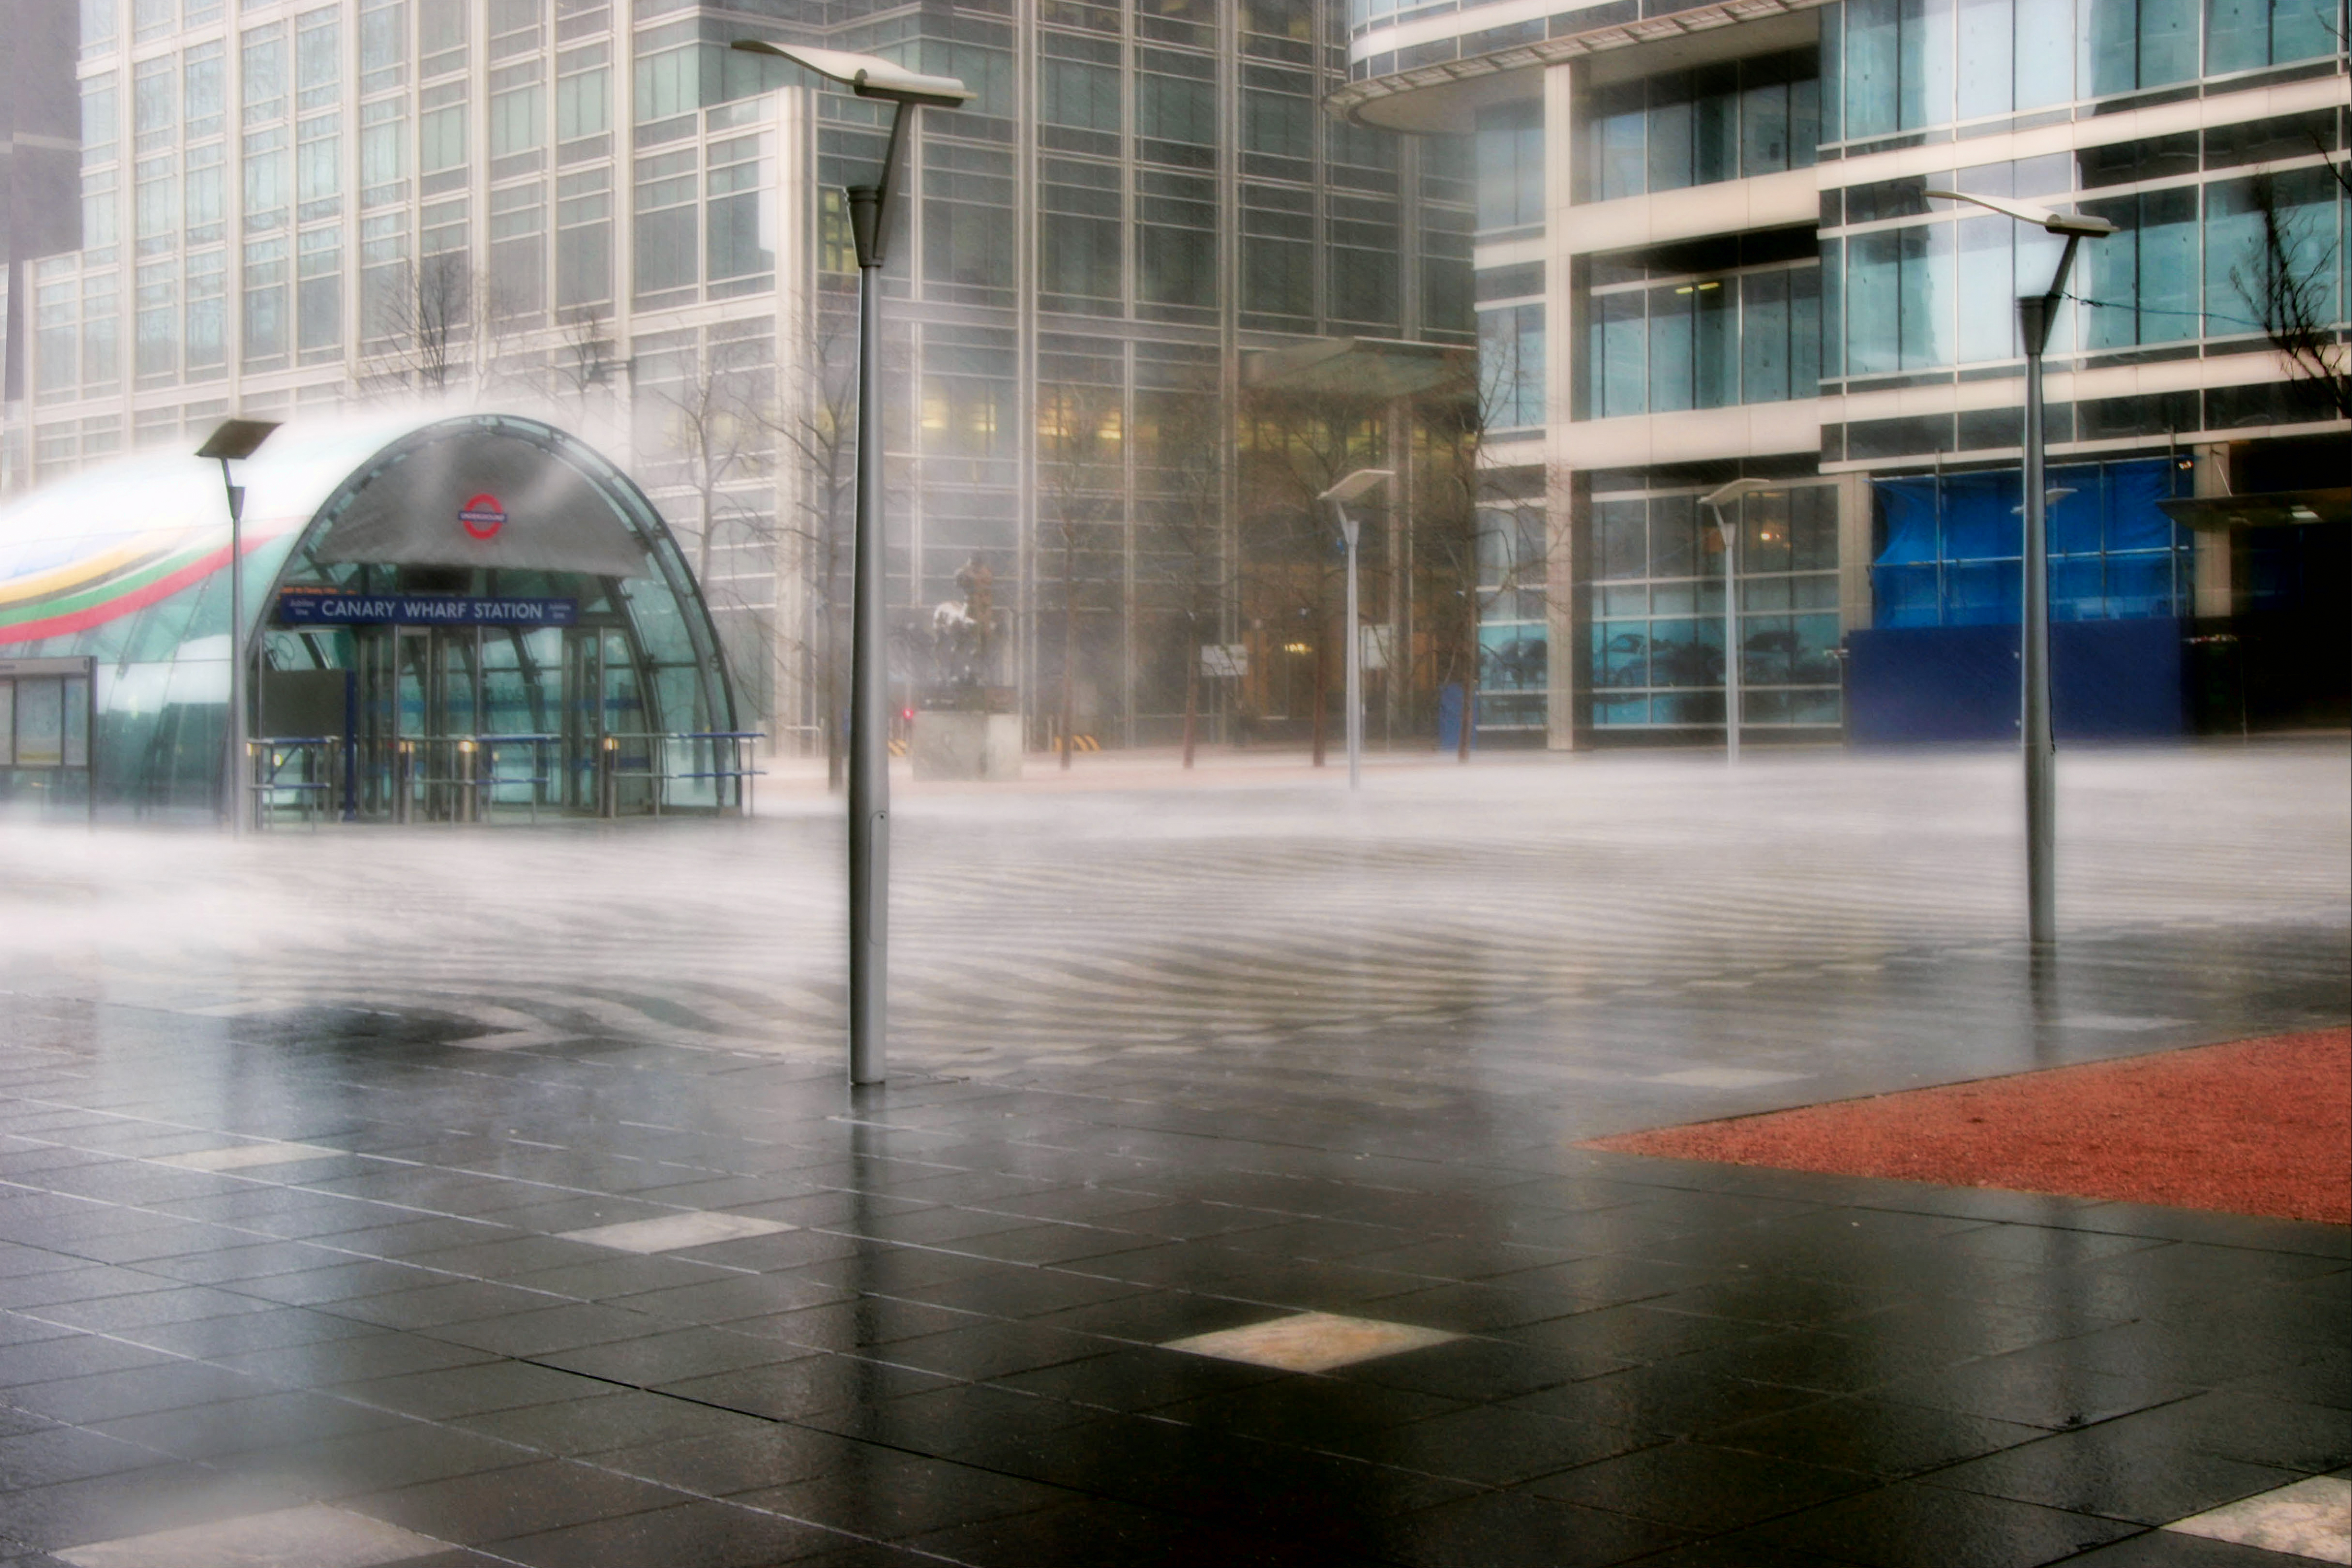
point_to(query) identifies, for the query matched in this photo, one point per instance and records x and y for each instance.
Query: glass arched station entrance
(450, 619)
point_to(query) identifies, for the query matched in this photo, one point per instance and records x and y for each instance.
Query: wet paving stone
(651, 1286)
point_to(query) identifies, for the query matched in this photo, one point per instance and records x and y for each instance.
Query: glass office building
(596, 210)
(1707, 226)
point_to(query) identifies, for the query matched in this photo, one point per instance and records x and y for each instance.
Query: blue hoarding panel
(2109, 680)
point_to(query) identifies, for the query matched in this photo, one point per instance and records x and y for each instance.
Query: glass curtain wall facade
(601, 208)
(1853, 345)
(1137, 196)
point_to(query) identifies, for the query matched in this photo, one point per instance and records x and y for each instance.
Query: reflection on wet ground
(421, 1198)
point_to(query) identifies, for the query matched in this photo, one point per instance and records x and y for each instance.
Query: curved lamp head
(2079, 224)
(868, 75)
(1735, 490)
(234, 438)
(1355, 485)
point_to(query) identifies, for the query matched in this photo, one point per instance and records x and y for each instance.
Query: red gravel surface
(2260, 1127)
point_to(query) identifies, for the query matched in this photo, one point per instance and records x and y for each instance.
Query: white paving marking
(1311, 1341)
(312, 1536)
(1724, 1078)
(2115, 1023)
(671, 1232)
(2310, 1519)
(243, 1156)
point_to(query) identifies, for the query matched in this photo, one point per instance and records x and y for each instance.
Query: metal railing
(315, 765)
(726, 755)
(466, 778)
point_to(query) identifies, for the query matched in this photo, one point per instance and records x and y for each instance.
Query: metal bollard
(608, 785)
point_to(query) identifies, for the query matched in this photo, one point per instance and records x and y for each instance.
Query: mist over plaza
(1175, 782)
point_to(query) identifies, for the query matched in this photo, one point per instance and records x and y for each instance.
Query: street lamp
(1337, 498)
(233, 440)
(869, 75)
(1714, 502)
(2036, 314)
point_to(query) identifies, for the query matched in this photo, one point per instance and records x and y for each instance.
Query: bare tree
(438, 327)
(1079, 434)
(818, 436)
(1479, 520)
(2289, 285)
(719, 426)
(1187, 435)
(1301, 442)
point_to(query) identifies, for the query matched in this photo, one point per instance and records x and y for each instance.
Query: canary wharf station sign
(296, 608)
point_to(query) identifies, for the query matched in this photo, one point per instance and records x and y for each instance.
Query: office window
(1174, 108)
(1079, 231)
(318, 58)
(1510, 165)
(441, 129)
(155, 334)
(206, 211)
(264, 69)
(1279, 123)
(2240, 267)
(1077, 255)
(583, 238)
(1072, 92)
(1277, 277)
(319, 167)
(1364, 258)
(2243, 35)
(441, 35)
(739, 219)
(383, 43)
(1511, 367)
(98, 109)
(518, 111)
(583, 93)
(206, 341)
(57, 339)
(100, 218)
(154, 106)
(205, 90)
(264, 314)
(669, 84)
(101, 358)
(383, 153)
(518, 250)
(268, 187)
(1704, 343)
(1697, 127)
(154, 216)
(1899, 299)
(1176, 241)
(666, 251)
(318, 294)
(969, 214)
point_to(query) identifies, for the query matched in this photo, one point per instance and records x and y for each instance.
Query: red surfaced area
(2260, 1127)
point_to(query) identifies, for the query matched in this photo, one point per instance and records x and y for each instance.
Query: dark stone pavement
(953, 1353)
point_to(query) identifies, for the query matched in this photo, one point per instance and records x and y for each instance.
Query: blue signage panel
(301, 609)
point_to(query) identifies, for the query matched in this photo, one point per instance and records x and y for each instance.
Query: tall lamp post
(869, 75)
(1352, 487)
(2036, 314)
(1714, 502)
(233, 440)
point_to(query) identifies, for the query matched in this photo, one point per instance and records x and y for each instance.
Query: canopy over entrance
(452, 618)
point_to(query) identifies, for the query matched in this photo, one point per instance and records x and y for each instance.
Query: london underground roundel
(483, 516)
